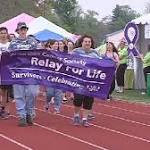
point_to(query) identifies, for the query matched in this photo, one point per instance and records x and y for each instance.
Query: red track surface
(118, 125)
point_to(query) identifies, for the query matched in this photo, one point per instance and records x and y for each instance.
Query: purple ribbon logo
(131, 33)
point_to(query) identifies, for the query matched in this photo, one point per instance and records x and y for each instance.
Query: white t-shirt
(4, 47)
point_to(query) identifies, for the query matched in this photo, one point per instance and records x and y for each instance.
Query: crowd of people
(25, 95)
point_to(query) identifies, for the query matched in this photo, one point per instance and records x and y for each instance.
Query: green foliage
(88, 24)
(68, 14)
(15, 7)
(46, 9)
(133, 96)
(121, 16)
(66, 10)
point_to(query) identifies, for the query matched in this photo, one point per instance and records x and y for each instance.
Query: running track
(118, 125)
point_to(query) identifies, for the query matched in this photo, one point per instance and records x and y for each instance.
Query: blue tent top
(45, 35)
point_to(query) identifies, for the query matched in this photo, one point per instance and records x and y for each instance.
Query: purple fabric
(83, 75)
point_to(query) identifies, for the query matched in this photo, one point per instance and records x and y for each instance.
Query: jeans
(57, 94)
(25, 96)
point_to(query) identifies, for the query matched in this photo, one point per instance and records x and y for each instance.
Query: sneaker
(33, 115)
(91, 117)
(47, 106)
(65, 100)
(109, 98)
(76, 120)
(120, 90)
(4, 115)
(143, 93)
(56, 111)
(85, 123)
(52, 101)
(29, 120)
(22, 122)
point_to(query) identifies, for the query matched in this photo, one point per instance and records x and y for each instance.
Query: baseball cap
(21, 25)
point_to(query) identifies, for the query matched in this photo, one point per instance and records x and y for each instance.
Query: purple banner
(74, 73)
(131, 34)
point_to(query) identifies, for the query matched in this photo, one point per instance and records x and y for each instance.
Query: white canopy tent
(41, 23)
(145, 19)
(115, 37)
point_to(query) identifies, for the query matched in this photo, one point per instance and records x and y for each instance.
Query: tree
(65, 13)
(46, 9)
(66, 10)
(15, 7)
(87, 23)
(121, 16)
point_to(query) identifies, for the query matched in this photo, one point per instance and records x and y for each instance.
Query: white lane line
(15, 142)
(114, 107)
(116, 117)
(71, 137)
(113, 116)
(131, 111)
(67, 135)
(108, 129)
(146, 105)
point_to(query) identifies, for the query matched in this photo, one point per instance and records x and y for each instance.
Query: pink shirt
(113, 55)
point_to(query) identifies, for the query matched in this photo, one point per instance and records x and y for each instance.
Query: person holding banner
(62, 47)
(85, 48)
(123, 54)
(51, 92)
(70, 46)
(4, 44)
(112, 53)
(24, 95)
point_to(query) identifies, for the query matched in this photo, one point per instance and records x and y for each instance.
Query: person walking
(24, 95)
(4, 89)
(53, 93)
(112, 53)
(123, 55)
(85, 49)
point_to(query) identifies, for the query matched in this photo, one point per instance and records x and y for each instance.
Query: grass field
(133, 96)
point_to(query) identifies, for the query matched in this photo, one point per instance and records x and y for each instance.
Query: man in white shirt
(4, 44)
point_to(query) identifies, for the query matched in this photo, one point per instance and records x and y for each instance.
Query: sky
(105, 7)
